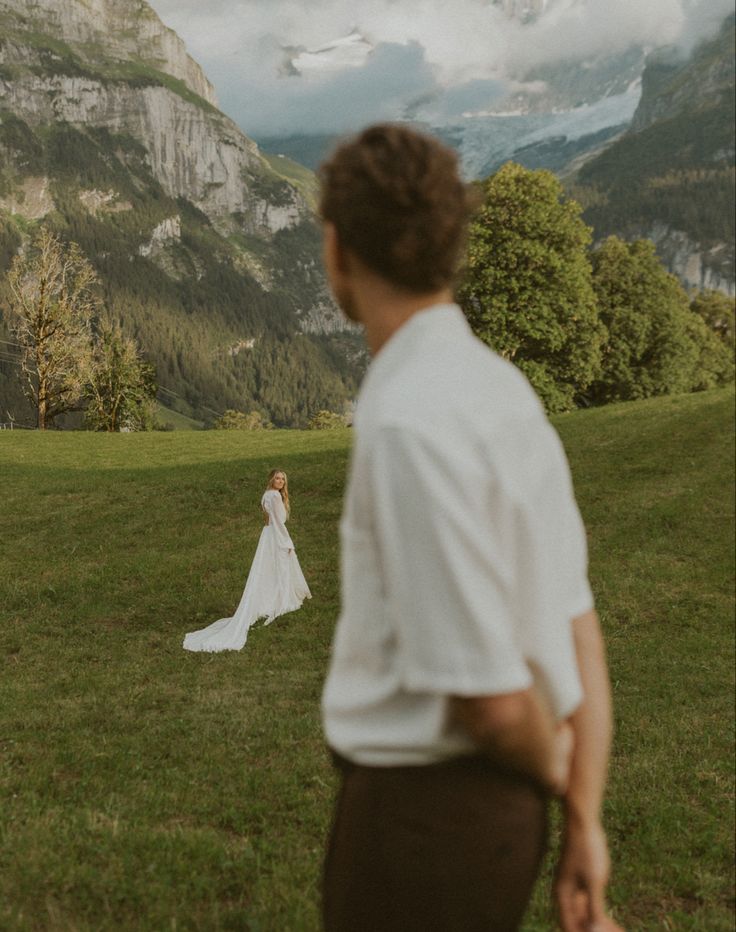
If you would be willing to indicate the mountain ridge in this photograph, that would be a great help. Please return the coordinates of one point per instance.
(127, 29)
(670, 177)
(201, 243)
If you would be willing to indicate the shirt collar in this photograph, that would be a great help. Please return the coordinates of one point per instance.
(445, 320)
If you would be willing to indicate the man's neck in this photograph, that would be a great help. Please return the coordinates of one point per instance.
(383, 311)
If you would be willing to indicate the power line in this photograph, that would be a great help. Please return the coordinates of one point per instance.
(204, 407)
(7, 357)
(8, 343)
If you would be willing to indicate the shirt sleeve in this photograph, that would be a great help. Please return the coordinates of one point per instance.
(447, 588)
(276, 517)
(548, 549)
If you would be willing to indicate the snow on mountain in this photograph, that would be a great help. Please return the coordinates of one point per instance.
(486, 142)
(351, 51)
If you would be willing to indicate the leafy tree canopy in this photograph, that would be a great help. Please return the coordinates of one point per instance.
(120, 387)
(51, 304)
(326, 420)
(656, 345)
(718, 311)
(527, 291)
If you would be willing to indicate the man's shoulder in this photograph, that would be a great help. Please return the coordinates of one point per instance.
(466, 386)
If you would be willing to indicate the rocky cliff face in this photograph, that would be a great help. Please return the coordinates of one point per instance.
(194, 151)
(670, 177)
(698, 268)
(122, 29)
(110, 132)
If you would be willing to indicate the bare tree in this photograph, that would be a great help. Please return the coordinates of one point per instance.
(52, 302)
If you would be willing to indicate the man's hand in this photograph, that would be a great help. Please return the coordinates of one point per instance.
(517, 730)
(582, 876)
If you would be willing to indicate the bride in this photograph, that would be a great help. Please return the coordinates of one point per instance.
(275, 585)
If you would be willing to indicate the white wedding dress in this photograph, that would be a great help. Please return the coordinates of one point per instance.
(275, 586)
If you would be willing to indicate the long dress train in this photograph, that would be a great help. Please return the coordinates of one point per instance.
(275, 585)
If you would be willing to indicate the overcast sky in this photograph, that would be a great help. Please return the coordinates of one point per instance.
(441, 56)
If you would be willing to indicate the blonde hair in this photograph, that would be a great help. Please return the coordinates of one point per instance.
(283, 492)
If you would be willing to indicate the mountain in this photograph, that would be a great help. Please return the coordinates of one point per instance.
(548, 115)
(646, 143)
(207, 250)
(537, 138)
(526, 133)
(670, 177)
(305, 148)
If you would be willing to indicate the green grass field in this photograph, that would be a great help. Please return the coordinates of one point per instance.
(145, 788)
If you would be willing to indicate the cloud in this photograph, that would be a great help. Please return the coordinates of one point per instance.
(580, 29)
(703, 18)
(450, 57)
(392, 78)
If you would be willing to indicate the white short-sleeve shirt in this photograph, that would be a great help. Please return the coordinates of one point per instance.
(463, 554)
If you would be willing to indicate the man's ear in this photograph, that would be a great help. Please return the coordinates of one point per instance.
(340, 266)
(342, 260)
(335, 257)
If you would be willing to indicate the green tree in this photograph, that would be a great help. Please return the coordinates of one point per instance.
(714, 360)
(712, 328)
(656, 345)
(120, 387)
(718, 311)
(326, 420)
(527, 289)
(239, 420)
(51, 305)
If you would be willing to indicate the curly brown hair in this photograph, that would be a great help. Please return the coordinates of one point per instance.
(398, 203)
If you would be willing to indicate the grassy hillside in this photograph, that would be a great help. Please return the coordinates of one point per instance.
(308, 150)
(301, 177)
(145, 788)
(193, 305)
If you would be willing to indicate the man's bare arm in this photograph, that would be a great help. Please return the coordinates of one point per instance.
(518, 731)
(583, 871)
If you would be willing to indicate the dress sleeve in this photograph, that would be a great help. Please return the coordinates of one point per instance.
(276, 519)
(447, 592)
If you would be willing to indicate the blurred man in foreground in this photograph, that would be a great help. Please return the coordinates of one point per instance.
(468, 681)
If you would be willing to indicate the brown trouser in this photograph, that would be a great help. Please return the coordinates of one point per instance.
(450, 847)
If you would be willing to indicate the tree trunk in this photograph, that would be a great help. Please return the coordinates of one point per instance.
(43, 402)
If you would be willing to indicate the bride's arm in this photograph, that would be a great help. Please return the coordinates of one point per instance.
(277, 513)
